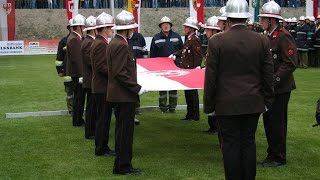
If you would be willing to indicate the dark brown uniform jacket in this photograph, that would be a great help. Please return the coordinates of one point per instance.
(86, 61)
(74, 61)
(239, 73)
(285, 60)
(191, 53)
(99, 65)
(122, 72)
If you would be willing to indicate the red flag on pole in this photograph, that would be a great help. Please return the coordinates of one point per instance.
(69, 8)
(197, 10)
(315, 8)
(8, 20)
(134, 8)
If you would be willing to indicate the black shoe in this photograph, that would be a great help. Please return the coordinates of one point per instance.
(130, 171)
(107, 154)
(89, 137)
(136, 122)
(79, 124)
(172, 111)
(211, 131)
(271, 163)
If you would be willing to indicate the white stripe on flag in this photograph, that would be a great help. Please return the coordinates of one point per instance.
(193, 12)
(3, 22)
(154, 82)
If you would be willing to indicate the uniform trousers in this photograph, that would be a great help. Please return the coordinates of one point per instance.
(212, 121)
(104, 112)
(78, 102)
(192, 100)
(237, 133)
(275, 122)
(124, 112)
(163, 100)
(91, 114)
(68, 88)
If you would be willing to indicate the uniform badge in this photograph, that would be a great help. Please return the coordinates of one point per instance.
(275, 56)
(290, 52)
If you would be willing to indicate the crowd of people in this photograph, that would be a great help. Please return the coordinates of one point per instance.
(248, 72)
(58, 4)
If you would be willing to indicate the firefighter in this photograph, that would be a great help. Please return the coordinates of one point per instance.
(137, 43)
(302, 31)
(222, 20)
(74, 68)
(212, 28)
(61, 62)
(311, 40)
(99, 85)
(90, 116)
(191, 58)
(123, 90)
(284, 53)
(163, 44)
(317, 41)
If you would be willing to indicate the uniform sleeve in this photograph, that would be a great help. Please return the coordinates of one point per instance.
(60, 56)
(99, 57)
(123, 74)
(74, 47)
(289, 57)
(267, 74)
(211, 73)
(197, 52)
(86, 54)
(153, 49)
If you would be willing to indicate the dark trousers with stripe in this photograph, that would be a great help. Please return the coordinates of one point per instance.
(78, 102)
(238, 145)
(104, 112)
(90, 116)
(163, 96)
(275, 122)
(124, 113)
(212, 121)
(192, 100)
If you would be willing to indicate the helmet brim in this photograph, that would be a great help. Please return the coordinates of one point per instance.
(124, 27)
(271, 16)
(188, 25)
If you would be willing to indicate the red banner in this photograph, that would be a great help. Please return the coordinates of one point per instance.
(69, 8)
(197, 10)
(134, 8)
(7, 21)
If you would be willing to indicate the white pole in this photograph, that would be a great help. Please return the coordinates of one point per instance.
(112, 8)
(309, 7)
(75, 8)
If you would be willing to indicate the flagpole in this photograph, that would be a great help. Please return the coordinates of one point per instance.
(75, 8)
(112, 8)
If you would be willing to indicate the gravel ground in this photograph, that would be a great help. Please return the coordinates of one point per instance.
(50, 24)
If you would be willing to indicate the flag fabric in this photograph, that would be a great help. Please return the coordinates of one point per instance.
(134, 8)
(7, 20)
(161, 74)
(72, 8)
(197, 10)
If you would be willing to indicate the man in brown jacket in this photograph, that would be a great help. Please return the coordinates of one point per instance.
(123, 90)
(87, 76)
(99, 84)
(191, 57)
(284, 53)
(74, 68)
(238, 87)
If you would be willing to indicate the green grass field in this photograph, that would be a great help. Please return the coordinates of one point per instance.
(164, 147)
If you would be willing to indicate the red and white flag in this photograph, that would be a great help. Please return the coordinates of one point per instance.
(161, 74)
(197, 10)
(72, 8)
(134, 8)
(7, 20)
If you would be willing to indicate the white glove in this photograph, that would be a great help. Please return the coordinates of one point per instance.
(266, 108)
(172, 56)
(142, 91)
(81, 80)
(212, 114)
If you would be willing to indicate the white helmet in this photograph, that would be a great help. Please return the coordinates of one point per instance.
(312, 18)
(294, 20)
(237, 9)
(104, 20)
(212, 23)
(191, 22)
(125, 20)
(271, 9)
(165, 19)
(78, 20)
(222, 12)
(289, 20)
(301, 18)
(90, 23)
(318, 17)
